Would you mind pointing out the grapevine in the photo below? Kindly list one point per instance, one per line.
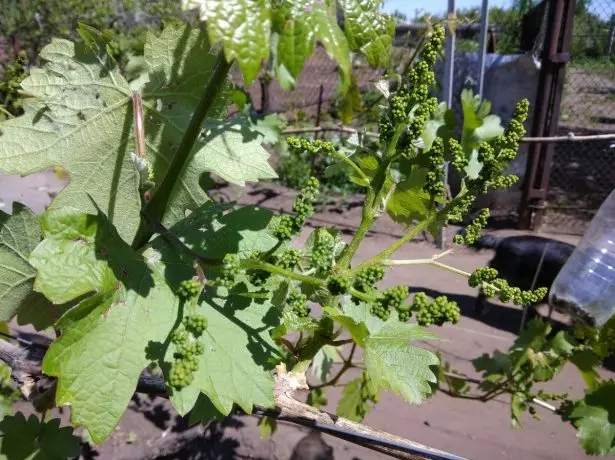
(128, 266)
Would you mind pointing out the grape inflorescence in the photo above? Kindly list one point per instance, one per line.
(189, 289)
(436, 312)
(290, 226)
(187, 350)
(298, 303)
(491, 285)
(321, 257)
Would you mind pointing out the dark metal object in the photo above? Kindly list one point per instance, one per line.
(546, 113)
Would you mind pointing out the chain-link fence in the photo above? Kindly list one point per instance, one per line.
(583, 173)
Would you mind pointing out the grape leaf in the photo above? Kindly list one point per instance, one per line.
(295, 42)
(204, 411)
(317, 398)
(332, 37)
(80, 118)
(593, 417)
(243, 27)
(368, 30)
(214, 230)
(232, 149)
(238, 349)
(357, 329)
(19, 235)
(33, 439)
(351, 404)
(392, 363)
(267, 426)
(389, 359)
(478, 127)
(518, 405)
(323, 360)
(409, 202)
(441, 124)
(586, 362)
(129, 305)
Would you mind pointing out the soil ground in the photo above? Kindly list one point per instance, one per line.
(470, 429)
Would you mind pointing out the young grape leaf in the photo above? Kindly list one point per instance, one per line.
(291, 322)
(323, 360)
(441, 124)
(518, 405)
(594, 418)
(332, 37)
(33, 439)
(351, 405)
(295, 41)
(368, 30)
(128, 306)
(243, 27)
(478, 127)
(19, 235)
(409, 202)
(267, 426)
(237, 352)
(317, 398)
(232, 149)
(392, 363)
(357, 329)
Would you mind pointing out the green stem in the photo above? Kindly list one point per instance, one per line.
(259, 265)
(418, 228)
(362, 295)
(157, 206)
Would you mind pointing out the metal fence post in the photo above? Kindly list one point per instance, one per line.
(484, 26)
(447, 89)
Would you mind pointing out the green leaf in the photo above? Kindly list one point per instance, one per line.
(518, 406)
(33, 439)
(586, 362)
(357, 329)
(214, 230)
(270, 126)
(368, 30)
(317, 398)
(204, 411)
(295, 37)
(441, 125)
(478, 127)
(243, 27)
(80, 118)
(111, 335)
(238, 349)
(332, 38)
(323, 360)
(267, 427)
(409, 202)
(232, 149)
(351, 404)
(19, 235)
(392, 363)
(594, 418)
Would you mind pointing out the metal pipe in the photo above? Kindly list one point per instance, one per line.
(484, 26)
(447, 89)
